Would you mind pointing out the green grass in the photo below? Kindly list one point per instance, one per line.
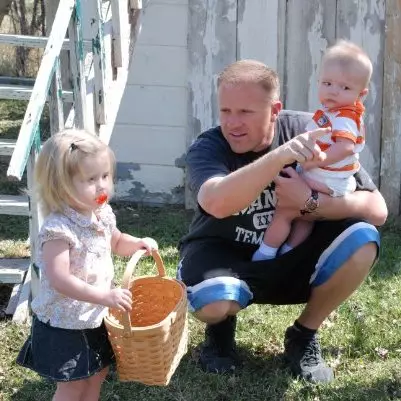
(361, 340)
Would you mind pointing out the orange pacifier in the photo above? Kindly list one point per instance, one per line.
(102, 198)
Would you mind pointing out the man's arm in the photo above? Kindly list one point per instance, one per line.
(292, 192)
(224, 196)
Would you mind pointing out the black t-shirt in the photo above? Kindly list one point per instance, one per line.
(211, 156)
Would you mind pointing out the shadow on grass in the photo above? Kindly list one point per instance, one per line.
(166, 224)
(263, 377)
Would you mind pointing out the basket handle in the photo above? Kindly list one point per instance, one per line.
(129, 271)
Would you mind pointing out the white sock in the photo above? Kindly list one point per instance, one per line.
(264, 252)
(285, 248)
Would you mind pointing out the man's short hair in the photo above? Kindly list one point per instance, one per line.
(251, 71)
(350, 55)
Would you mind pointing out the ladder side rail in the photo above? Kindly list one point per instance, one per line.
(99, 67)
(77, 64)
(40, 90)
(56, 105)
(117, 57)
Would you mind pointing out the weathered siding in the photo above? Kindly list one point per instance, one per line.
(183, 45)
(149, 137)
(391, 119)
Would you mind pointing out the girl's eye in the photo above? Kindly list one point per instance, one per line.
(105, 176)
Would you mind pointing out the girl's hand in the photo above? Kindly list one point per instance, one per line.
(119, 298)
(149, 244)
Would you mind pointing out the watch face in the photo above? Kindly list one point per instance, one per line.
(311, 204)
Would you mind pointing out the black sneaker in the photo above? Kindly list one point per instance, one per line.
(218, 353)
(304, 357)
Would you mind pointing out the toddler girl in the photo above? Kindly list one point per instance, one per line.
(68, 342)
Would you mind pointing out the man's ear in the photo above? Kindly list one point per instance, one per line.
(276, 108)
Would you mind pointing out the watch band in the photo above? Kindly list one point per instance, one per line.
(311, 204)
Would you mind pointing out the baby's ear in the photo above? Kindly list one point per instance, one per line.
(363, 93)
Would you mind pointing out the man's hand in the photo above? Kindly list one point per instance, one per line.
(303, 147)
(292, 191)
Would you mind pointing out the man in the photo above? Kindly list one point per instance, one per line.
(237, 172)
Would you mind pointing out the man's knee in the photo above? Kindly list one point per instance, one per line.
(365, 256)
(217, 311)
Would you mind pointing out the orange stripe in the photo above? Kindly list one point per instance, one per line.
(343, 134)
(323, 146)
(348, 167)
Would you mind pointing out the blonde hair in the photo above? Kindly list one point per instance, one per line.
(59, 161)
(251, 71)
(349, 55)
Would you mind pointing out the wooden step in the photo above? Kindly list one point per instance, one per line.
(36, 41)
(12, 271)
(7, 146)
(24, 92)
(14, 205)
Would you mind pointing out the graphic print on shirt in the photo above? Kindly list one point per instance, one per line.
(261, 210)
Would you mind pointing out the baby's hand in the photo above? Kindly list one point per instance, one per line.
(119, 298)
(309, 165)
(149, 244)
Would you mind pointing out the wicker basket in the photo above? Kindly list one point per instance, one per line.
(149, 341)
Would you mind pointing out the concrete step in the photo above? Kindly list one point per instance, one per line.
(12, 271)
(7, 146)
(14, 205)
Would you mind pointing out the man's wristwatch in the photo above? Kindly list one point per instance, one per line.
(311, 204)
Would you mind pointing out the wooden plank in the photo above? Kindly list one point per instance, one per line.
(363, 22)
(38, 42)
(99, 63)
(21, 314)
(159, 145)
(64, 62)
(281, 40)
(258, 25)
(166, 24)
(13, 301)
(7, 146)
(148, 98)
(136, 4)
(40, 91)
(56, 106)
(310, 27)
(212, 31)
(81, 117)
(149, 66)
(20, 92)
(117, 59)
(390, 174)
(12, 271)
(14, 205)
(36, 218)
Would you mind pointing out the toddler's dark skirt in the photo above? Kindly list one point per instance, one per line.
(65, 355)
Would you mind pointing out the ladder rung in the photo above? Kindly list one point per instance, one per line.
(36, 41)
(23, 92)
(12, 270)
(14, 205)
(7, 146)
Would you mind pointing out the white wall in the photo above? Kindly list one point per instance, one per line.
(149, 137)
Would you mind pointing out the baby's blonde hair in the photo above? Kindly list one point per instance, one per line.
(59, 161)
(349, 55)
